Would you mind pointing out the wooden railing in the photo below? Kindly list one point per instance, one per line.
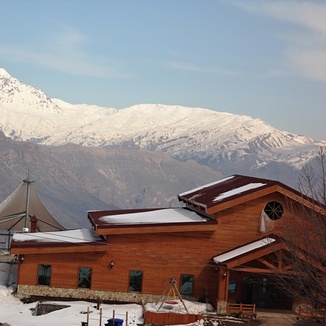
(241, 308)
(306, 312)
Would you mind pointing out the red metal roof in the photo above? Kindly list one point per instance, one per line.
(225, 190)
(144, 217)
(67, 238)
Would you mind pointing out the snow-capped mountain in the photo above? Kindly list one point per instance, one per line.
(226, 142)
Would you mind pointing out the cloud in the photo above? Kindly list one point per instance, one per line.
(312, 63)
(189, 67)
(64, 51)
(306, 48)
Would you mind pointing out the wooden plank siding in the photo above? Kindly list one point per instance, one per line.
(158, 255)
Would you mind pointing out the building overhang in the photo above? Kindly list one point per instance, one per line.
(165, 220)
(239, 259)
(52, 248)
(156, 228)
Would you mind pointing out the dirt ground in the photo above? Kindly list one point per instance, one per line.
(283, 318)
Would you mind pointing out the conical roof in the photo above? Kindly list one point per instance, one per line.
(22, 202)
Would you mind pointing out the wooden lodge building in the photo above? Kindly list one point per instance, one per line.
(222, 246)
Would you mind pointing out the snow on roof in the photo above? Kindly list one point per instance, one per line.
(170, 215)
(237, 191)
(69, 236)
(242, 250)
(206, 186)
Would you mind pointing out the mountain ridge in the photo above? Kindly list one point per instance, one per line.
(222, 141)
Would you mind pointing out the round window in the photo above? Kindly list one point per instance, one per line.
(274, 210)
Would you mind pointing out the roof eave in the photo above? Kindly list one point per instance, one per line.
(34, 247)
(157, 228)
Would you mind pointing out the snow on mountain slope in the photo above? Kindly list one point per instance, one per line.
(20, 98)
(210, 137)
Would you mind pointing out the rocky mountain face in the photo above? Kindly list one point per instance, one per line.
(72, 179)
(140, 156)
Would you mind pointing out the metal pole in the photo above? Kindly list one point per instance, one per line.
(28, 195)
(27, 205)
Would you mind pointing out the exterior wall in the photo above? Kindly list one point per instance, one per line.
(239, 225)
(158, 256)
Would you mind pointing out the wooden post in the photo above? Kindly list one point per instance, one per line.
(222, 292)
(87, 316)
(126, 318)
(113, 323)
(100, 317)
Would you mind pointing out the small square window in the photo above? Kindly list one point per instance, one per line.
(44, 274)
(232, 286)
(85, 277)
(135, 281)
(186, 284)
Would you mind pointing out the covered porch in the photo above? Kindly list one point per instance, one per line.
(246, 276)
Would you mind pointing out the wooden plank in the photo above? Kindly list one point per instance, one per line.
(241, 308)
(152, 318)
(137, 229)
(85, 248)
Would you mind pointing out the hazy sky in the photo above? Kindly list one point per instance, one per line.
(265, 59)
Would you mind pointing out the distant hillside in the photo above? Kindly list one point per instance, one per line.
(72, 179)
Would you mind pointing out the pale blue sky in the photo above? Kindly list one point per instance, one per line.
(265, 59)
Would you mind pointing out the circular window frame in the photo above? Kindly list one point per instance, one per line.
(274, 210)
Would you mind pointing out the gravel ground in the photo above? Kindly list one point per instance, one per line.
(264, 318)
(277, 319)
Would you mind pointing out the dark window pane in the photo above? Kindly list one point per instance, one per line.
(232, 286)
(85, 277)
(135, 281)
(44, 274)
(186, 284)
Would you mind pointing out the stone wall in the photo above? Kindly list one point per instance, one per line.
(26, 291)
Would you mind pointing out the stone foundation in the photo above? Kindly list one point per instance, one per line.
(26, 291)
(221, 306)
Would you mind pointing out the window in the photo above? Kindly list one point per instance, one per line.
(232, 286)
(274, 210)
(135, 281)
(44, 274)
(186, 284)
(85, 277)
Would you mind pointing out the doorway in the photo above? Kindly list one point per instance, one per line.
(265, 293)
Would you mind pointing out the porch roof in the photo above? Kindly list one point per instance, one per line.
(223, 258)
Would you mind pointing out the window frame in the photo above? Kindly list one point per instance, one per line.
(274, 209)
(138, 289)
(232, 283)
(182, 283)
(44, 275)
(79, 281)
